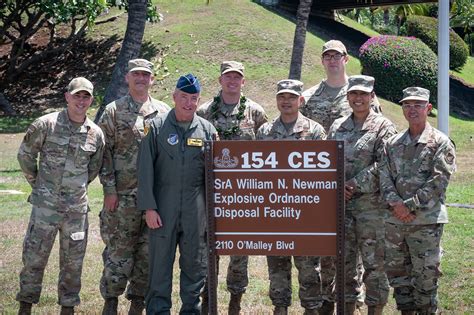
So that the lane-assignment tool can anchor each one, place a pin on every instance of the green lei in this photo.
(229, 132)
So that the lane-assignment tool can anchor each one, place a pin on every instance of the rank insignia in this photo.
(194, 142)
(173, 139)
(146, 127)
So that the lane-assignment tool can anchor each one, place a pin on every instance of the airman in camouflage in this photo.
(235, 117)
(292, 125)
(60, 155)
(327, 101)
(364, 133)
(324, 103)
(123, 230)
(417, 165)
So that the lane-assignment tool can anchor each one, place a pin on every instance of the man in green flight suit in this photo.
(171, 189)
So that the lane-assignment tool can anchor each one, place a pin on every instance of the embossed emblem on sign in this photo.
(226, 161)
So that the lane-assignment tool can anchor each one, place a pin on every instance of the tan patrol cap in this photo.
(290, 86)
(362, 83)
(80, 84)
(140, 65)
(334, 45)
(415, 93)
(229, 66)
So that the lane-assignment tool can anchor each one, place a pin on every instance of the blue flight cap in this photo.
(189, 83)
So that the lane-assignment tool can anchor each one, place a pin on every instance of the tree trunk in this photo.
(131, 46)
(302, 15)
(386, 17)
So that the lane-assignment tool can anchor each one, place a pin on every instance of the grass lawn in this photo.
(467, 72)
(198, 38)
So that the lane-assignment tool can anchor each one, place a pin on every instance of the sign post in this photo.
(275, 198)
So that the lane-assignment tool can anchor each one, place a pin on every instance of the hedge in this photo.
(426, 29)
(398, 62)
(470, 41)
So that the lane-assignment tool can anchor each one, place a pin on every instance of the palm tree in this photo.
(302, 15)
(131, 46)
(402, 11)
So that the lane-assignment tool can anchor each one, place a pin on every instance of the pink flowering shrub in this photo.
(399, 62)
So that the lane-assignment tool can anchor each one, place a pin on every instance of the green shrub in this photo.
(397, 63)
(469, 39)
(426, 29)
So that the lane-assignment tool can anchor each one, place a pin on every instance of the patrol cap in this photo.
(362, 83)
(290, 86)
(334, 45)
(80, 84)
(229, 66)
(140, 65)
(415, 93)
(188, 83)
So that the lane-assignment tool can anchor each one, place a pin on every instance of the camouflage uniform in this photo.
(69, 159)
(224, 119)
(124, 230)
(365, 211)
(416, 172)
(279, 267)
(324, 108)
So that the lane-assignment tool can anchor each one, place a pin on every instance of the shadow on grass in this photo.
(41, 89)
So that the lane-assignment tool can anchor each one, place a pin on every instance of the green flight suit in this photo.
(171, 181)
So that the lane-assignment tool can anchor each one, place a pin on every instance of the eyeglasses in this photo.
(413, 106)
(336, 57)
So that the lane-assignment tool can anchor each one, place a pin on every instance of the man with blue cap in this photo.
(171, 191)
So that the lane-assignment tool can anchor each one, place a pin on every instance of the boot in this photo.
(375, 310)
(137, 305)
(25, 308)
(327, 308)
(313, 311)
(67, 310)
(234, 304)
(408, 312)
(110, 306)
(350, 309)
(280, 310)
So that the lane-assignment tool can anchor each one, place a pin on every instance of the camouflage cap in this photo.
(140, 65)
(415, 93)
(290, 86)
(334, 45)
(229, 66)
(363, 83)
(80, 84)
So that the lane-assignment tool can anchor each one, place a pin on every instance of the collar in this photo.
(64, 119)
(348, 123)
(172, 117)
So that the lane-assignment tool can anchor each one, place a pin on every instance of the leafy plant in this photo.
(399, 62)
(426, 29)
